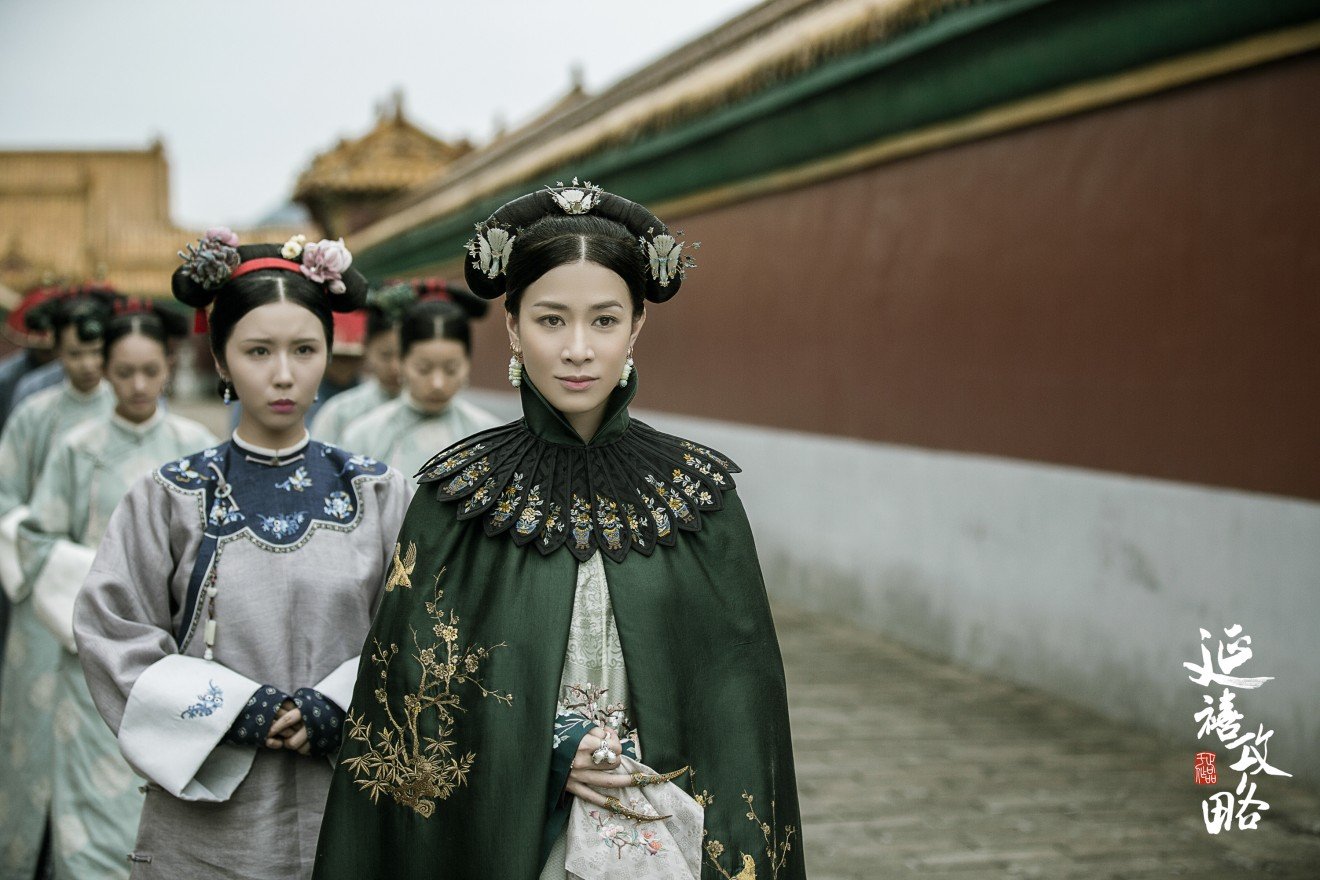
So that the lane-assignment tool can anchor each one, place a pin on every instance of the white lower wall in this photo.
(1086, 584)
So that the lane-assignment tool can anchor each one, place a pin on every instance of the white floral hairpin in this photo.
(491, 249)
(293, 248)
(579, 198)
(665, 255)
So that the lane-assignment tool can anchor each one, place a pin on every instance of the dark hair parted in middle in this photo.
(155, 322)
(235, 298)
(554, 241)
(434, 319)
(387, 306)
(86, 309)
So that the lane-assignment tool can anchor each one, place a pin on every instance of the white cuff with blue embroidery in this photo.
(178, 712)
(11, 573)
(338, 685)
(56, 587)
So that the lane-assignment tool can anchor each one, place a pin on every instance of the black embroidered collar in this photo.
(630, 488)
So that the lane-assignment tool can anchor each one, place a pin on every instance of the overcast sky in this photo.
(244, 94)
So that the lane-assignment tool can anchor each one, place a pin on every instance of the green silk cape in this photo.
(445, 769)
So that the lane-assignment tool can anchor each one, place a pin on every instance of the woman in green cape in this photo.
(574, 671)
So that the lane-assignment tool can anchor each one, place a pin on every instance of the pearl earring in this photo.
(228, 396)
(515, 367)
(627, 370)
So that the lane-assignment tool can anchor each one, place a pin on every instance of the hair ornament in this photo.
(665, 255)
(393, 301)
(293, 248)
(580, 198)
(491, 249)
(325, 262)
(213, 259)
(662, 250)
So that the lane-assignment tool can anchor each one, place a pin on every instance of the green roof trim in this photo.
(968, 59)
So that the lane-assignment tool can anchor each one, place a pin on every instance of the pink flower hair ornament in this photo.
(325, 262)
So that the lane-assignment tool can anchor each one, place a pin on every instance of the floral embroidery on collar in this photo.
(269, 502)
(296, 482)
(632, 494)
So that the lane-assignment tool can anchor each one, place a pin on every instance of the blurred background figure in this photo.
(95, 796)
(76, 320)
(376, 332)
(435, 354)
(34, 347)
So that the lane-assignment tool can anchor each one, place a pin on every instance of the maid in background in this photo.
(95, 801)
(220, 625)
(435, 347)
(76, 320)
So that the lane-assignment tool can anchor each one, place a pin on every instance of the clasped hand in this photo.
(288, 730)
(586, 776)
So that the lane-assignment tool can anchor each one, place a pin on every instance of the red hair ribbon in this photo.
(200, 323)
(265, 263)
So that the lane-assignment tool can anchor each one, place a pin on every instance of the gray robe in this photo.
(305, 541)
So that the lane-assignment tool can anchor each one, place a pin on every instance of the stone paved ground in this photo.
(909, 767)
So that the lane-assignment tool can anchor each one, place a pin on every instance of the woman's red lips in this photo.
(283, 406)
(577, 383)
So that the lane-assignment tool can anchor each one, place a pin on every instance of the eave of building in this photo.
(373, 162)
(969, 71)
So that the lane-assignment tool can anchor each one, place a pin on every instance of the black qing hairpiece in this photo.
(493, 244)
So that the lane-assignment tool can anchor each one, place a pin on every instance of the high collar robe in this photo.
(447, 772)
(295, 546)
(344, 409)
(404, 437)
(95, 801)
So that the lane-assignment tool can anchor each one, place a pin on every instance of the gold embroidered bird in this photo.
(401, 571)
(748, 871)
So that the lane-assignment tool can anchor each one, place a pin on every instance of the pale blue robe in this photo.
(405, 438)
(340, 411)
(95, 799)
(32, 654)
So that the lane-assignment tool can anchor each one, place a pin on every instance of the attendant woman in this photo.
(574, 672)
(220, 624)
(380, 351)
(95, 799)
(32, 654)
(435, 347)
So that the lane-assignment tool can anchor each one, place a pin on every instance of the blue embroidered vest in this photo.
(275, 499)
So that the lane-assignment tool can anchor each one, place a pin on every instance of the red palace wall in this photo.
(1135, 289)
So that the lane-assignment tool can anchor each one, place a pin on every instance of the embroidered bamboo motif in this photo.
(402, 569)
(401, 761)
(776, 850)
